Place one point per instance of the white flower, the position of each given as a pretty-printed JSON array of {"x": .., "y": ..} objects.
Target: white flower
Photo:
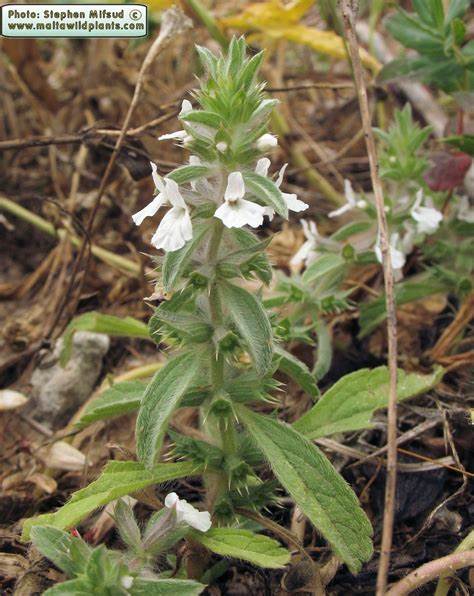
[
  {"x": 175, "y": 228},
  {"x": 221, "y": 146},
  {"x": 427, "y": 218},
  {"x": 291, "y": 200},
  {"x": 263, "y": 165},
  {"x": 180, "y": 135},
  {"x": 236, "y": 212},
  {"x": 397, "y": 257},
  {"x": 127, "y": 582},
  {"x": 351, "y": 201},
  {"x": 186, "y": 107},
  {"x": 465, "y": 211},
  {"x": 160, "y": 199},
  {"x": 267, "y": 142},
  {"x": 200, "y": 520},
  {"x": 307, "y": 252}
]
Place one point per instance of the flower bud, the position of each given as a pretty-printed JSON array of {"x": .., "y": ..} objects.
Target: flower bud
[{"x": 267, "y": 142}]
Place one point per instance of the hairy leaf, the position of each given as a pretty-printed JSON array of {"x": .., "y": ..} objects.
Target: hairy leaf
[
  {"x": 118, "y": 399},
  {"x": 55, "y": 545},
  {"x": 297, "y": 370},
  {"x": 252, "y": 323},
  {"x": 243, "y": 544},
  {"x": 187, "y": 173},
  {"x": 166, "y": 587},
  {"x": 267, "y": 191},
  {"x": 117, "y": 480},
  {"x": 101, "y": 323},
  {"x": 349, "y": 404},
  {"x": 318, "y": 490},
  {"x": 160, "y": 399}
]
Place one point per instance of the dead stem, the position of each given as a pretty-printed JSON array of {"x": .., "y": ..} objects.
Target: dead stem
[{"x": 389, "y": 506}]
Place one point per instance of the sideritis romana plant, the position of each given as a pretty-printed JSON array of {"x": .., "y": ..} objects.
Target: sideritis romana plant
[{"x": 223, "y": 349}]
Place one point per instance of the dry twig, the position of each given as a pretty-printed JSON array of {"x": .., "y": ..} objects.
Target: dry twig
[
  {"x": 430, "y": 571},
  {"x": 348, "y": 17},
  {"x": 173, "y": 23}
]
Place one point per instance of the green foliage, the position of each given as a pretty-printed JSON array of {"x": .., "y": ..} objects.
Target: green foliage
[
  {"x": 160, "y": 399},
  {"x": 252, "y": 323},
  {"x": 318, "y": 490},
  {"x": 349, "y": 404},
  {"x": 445, "y": 58},
  {"x": 100, "y": 323},
  {"x": 117, "y": 480},
  {"x": 118, "y": 399},
  {"x": 400, "y": 158},
  {"x": 242, "y": 544}
]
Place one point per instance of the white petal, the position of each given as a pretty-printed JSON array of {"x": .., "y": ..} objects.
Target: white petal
[
  {"x": 179, "y": 134},
  {"x": 301, "y": 256},
  {"x": 266, "y": 142},
  {"x": 157, "y": 179},
  {"x": 235, "y": 187},
  {"x": 173, "y": 195},
  {"x": 281, "y": 173},
  {"x": 149, "y": 210},
  {"x": 199, "y": 520},
  {"x": 263, "y": 166},
  {"x": 186, "y": 107},
  {"x": 194, "y": 160},
  {"x": 174, "y": 231},
  {"x": 349, "y": 193},
  {"x": 310, "y": 230},
  {"x": 398, "y": 258},
  {"x": 337, "y": 212},
  {"x": 237, "y": 214},
  {"x": 427, "y": 219},
  {"x": 221, "y": 146},
  {"x": 293, "y": 203},
  {"x": 171, "y": 499}
]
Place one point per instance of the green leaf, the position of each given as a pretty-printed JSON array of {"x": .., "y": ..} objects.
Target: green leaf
[
  {"x": 203, "y": 117},
  {"x": 297, "y": 370},
  {"x": 249, "y": 71},
  {"x": 188, "y": 173},
  {"x": 191, "y": 327},
  {"x": 100, "y": 323},
  {"x": 413, "y": 33},
  {"x": 462, "y": 142},
  {"x": 430, "y": 11},
  {"x": 176, "y": 261},
  {"x": 318, "y": 490},
  {"x": 357, "y": 227},
  {"x": 159, "y": 401},
  {"x": 243, "y": 544},
  {"x": 117, "y": 480},
  {"x": 166, "y": 587},
  {"x": 324, "y": 264},
  {"x": 456, "y": 9},
  {"x": 350, "y": 403},
  {"x": 267, "y": 191},
  {"x": 252, "y": 322},
  {"x": 55, "y": 545},
  {"x": 73, "y": 587},
  {"x": 118, "y": 399}
]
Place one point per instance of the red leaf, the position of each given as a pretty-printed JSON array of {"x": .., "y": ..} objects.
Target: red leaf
[{"x": 448, "y": 170}]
